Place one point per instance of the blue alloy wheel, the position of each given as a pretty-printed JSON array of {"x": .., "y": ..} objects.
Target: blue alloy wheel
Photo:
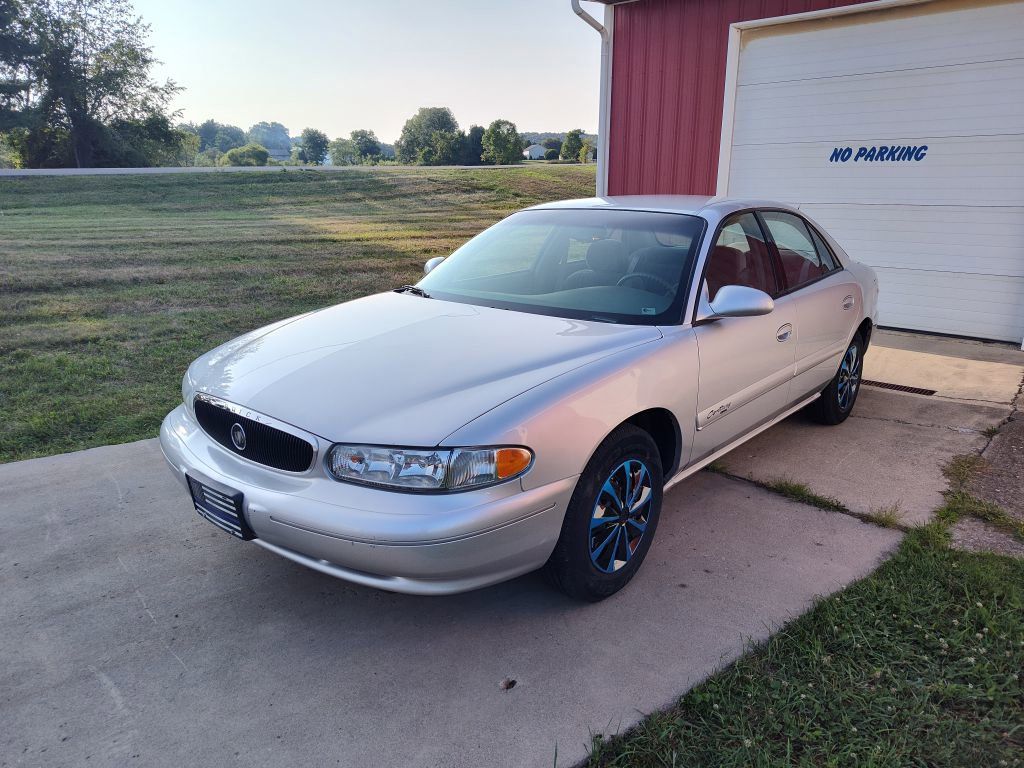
[
  {"x": 849, "y": 378},
  {"x": 620, "y": 516}
]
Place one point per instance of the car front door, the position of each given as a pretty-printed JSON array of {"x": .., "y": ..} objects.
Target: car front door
[
  {"x": 746, "y": 363},
  {"x": 827, "y": 299}
]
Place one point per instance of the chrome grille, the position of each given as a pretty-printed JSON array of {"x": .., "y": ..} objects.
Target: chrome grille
[{"x": 263, "y": 443}]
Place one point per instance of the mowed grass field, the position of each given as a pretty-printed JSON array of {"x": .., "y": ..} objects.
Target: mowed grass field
[{"x": 111, "y": 285}]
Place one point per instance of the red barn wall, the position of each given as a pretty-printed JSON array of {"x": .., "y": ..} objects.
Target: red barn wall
[{"x": 668, "y": 82}]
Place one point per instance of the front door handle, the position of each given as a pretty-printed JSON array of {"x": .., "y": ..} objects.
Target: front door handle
[
  {"x": 848, "y": 302},
  {"x": 784, "y": 332}
]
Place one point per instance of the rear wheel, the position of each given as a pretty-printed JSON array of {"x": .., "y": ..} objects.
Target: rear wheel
[
  {"x": 838, "y": 398},
  {"x": 611, "y": 518}
]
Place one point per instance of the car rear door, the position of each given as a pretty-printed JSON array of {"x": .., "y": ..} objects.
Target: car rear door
[
  {"x": 746, "y": 363},
  {"x": 827, "y": 299}
]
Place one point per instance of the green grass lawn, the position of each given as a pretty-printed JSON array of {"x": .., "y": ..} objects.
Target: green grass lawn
[
  {"x": 917, "y": 665},
  {"x": 111, "y": 285}
]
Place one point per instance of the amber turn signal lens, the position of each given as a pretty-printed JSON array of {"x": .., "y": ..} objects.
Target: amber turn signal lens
[{"x": 512, "y": 461}]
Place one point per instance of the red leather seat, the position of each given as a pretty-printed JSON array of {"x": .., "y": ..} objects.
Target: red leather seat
[{"x": 725, "y": 267}]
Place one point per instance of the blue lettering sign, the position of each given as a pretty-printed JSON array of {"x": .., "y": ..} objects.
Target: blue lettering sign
[{"x": 881, "y": 153}]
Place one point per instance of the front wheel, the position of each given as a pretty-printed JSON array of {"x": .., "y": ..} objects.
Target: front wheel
[
  {"x": 838, "y": 398},
  {"x": 611, "y": 518}
]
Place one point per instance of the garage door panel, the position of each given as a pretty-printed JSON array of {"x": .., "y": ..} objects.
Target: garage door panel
[
  {"x": 973, "y": 240},
  {"x": 984, "y": 170},
  {"x": 911, "y": 103},
  {"x": 944, "y": 230},
  {"x": 964, "y": 305},
  {"x": 905, "y": 38}
]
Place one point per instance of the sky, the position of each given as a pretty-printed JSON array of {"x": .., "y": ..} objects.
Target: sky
[{"x": 339, "y": 65}]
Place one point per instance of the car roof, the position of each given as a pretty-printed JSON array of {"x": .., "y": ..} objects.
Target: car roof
[{"x": 706, "y": 206}]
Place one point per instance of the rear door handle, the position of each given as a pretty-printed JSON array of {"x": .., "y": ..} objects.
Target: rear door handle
[
  {"x": 848, "y": 302},
  {"x": 784, "y": 332}
]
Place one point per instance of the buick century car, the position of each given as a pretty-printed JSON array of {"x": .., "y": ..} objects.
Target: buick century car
[{"x": 526, "y": 404}]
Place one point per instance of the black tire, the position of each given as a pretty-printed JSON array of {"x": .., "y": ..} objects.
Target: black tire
[
  {"x": 571, "y": 567},
  {"x": 838, "y": 398}
]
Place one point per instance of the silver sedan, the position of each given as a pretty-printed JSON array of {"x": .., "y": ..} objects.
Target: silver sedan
[{"x": 526, "y": 404}]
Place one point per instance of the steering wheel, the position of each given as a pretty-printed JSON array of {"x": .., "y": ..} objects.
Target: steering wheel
[{"x": 669, "y": 288}]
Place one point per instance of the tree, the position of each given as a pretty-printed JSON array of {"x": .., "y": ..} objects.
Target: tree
[
  {"x": 228, "y": 137},
  {"x": 313, "y": 147},
  {"x": 273, "y": 136},
  {"x": 443, "y": 148},
  {"x": 17, "y": 51},
  {"x": 250, "y": 154},
  {"x": 134, "y": 143},
  {"x": 552, "y": 143},
  {"x": 418, "y": 131},
  {"x": 343, "y": 152},
  {"x": 366, "y": 142},
  {"x": 572, "y": 145},
  {"x": 90, "y": 69},
  {"x": 502, "y": 145},
  {"x": 585, "y": 150},
  {"x": 551, "y": 154},
  {"x": 473, "y": 147},
  {"x": 207, "y": 132}
]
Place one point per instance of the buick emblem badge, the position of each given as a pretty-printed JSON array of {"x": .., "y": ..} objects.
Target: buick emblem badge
[{"x": 238, "y": 436}]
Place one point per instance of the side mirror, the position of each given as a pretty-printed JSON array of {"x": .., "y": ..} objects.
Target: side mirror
[
  {"x": 431, "y": 263},
  {"x": 735, "y": 301}
]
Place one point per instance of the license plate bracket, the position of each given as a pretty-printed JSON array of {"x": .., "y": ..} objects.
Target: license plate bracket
[{"x": 221, "y": 506}]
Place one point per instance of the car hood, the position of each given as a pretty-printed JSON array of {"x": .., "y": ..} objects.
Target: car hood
[{"x": 400, "y": 369}]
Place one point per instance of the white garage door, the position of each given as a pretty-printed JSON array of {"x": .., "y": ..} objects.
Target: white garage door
[{"x": 902, "y": 132}]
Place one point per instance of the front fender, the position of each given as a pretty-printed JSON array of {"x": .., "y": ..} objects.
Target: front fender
[{"x": 565, "y": 419}]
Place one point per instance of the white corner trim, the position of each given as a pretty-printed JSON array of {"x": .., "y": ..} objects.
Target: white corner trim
[
  {"x": 604, "y": 105},
  {"x": 732, "y": 66},
  {"x": 828, "y": 13},
  {"x": 605, "y": 108}
]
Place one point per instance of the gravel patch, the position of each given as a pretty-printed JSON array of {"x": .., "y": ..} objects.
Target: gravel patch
[
  {"x": 973, "y": 535},
  {"x": 1001, "y": 481}
]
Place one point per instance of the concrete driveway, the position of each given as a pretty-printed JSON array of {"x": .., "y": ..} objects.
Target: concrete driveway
[
  {"x": 889, "y": 455},
  {"x": 134, "y": 632}
]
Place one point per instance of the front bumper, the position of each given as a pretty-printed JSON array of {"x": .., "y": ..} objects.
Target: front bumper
[{"x": 402, "y": 542}]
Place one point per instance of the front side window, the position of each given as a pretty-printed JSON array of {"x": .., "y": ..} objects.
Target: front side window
[
  {"x": 800, "y": 260},
  {"x": 740, "y": 257},
  {"x": 606, "y": 265}
]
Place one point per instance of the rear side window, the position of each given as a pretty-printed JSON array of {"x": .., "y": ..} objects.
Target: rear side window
[
  {"x": 801, "y": 263},
  {"x": 740, "y": 257},
  {"x": 824, "y": 252}
]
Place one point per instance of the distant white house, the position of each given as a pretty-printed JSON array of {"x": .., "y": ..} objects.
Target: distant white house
[{"x": 534, "y": 152}]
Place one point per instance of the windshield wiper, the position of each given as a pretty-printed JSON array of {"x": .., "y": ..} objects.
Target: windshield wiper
[{"x": 415, "y": 290}]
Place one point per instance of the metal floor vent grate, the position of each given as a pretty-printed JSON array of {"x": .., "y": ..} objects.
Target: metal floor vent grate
[{"x": 897, "y": 387}]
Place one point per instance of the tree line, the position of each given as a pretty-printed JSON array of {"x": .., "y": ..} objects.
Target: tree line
[
  {"x": 75, "y": 88},
  {"x": 76, "y": 91}
]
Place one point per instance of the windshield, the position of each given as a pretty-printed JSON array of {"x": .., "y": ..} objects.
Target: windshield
[{"x": 608, "y": 265}]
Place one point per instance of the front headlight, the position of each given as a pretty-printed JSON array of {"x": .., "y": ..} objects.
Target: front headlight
[{"x": 426, "y": 469}]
